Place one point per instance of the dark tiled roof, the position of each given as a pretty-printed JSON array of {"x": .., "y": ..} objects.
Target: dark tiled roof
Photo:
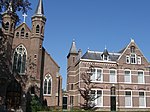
[{"x": 93, "y": 55}]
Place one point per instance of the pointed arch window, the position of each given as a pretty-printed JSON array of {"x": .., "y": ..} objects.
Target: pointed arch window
[
  {"x": 19, "y": 59},
  {"x": 48, "y": 85},
  {"x": 27, "y": 35},
  {"x": 7, "y": 26},
  {"x": 37, "y": 29},
  {"x": 22, "y": 32},
  {"x": 17, "y": 34},
  {"x": 42, "y": 29}
]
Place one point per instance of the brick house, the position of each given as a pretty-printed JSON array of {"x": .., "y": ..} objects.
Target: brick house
[
  {"x": 121, "y": 78},
  {"x": 33, "y": 70}
]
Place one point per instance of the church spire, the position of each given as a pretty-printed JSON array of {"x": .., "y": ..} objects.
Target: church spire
[
  {"x": 39, "y": 9},
  {"x": 73, "y": 48}
]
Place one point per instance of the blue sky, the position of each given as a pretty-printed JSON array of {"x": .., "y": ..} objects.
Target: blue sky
[{"x": 93, "y": 24}]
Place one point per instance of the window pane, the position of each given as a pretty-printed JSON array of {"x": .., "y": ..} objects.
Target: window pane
[
  {"x": 45, "y": 86},
  {"x": 93, "y": 75},
  {"x": 127, "y": 77},
  {"x": 49, "y": 87},
  {"x": 112, "y": 76},
  {"x": 99, "y": 75},
  {"x": 140, "y": 77},
  {"x": 127, "y": 98}
]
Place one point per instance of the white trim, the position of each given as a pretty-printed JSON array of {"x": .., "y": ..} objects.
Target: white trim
[
  {"x": 114, "y": 76},
  {"x": 129, "y": 74},
  {"x": 144, "y": 100},
  {"x": 130, "y": 98},
  {"x": 103, "y": 61},
  {"x": 96, "y": 75},
  {"x": 143, "y": 82},
  {"x": 127, "y": 58},
  {"x": 50, "y": 79}
]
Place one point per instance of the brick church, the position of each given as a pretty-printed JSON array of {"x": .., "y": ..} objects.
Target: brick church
[{"x": 32, "y": 70}]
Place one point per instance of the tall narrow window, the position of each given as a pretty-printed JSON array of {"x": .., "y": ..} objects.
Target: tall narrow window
[
  {"x": 47, "y": 85},
  {"x": 112, "y": 77},
  {"x": 142, "y": 102},
  {"x": 98, "y": 97},
  {"x": 42, "y": 30},
  {"x": 7, "y": 26},
  {"x": 22, "y": 32},
  {"x": 27, "y": 35},
  {"x": 127, "y": 76},
  {"x": 128, "y": 99},
  {"x": 133, "y": 58},
  {"x": 139, "y": 60},
  {"x": 19, "y": 59},
  {"x": 140, "y": 77},
  {"x": 37, "y": 29},
  {"x": 71, "y": 100},
  {"x": 17, "y": 34},
  {"x": 127, "y": 59},
  {"x": 132, "y": 49}
]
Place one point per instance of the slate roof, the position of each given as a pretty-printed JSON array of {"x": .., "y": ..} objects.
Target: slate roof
[
  {"x": 94, "y": 55},
  {"x": 73, "y": 48}
]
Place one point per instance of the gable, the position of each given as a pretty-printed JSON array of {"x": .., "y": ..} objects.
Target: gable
[
  {"x": 22, "y": 31},
  {"x": 129, "y": 52}
]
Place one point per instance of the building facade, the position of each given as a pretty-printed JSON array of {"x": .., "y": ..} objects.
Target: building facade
[
  {"x": 121, "y": 79},
  {"x": 32, "y": 70}
]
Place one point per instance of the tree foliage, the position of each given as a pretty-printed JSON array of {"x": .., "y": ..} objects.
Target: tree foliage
[
  {"x": 17, "y": 5},
  {"x": 87, "y": 90}
]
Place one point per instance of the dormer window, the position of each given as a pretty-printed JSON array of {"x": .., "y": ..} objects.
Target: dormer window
[{"x": 105, "y": 57}]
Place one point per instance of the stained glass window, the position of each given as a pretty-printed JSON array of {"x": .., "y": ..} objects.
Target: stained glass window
[{"x": 19, "y": 59}]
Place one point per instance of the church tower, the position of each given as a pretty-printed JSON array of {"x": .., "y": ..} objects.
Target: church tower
[
  {"x": 9, "y": 19},
  {"x": 73, "y": 54},
  {"x": 37, "y": 37}
]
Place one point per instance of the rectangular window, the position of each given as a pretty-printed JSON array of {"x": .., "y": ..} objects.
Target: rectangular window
[
  {"x": 142, "y": 102},
  {"x": 128, "y": 99},
  {"x": 97, "y": 75},
  {"x": 127, "y": 59},
  {"x": 112, "y": 77},
  {"x": 97, "y": 94},
  {"x": 133, "y": 58},
  {"x": 71, "y": 100},
  {"x": 127, "y": 76},
  {"x": 139, "y": 60},
  {"x": 140, "y": 77}
]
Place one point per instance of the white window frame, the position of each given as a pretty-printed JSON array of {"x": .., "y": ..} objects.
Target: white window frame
[
  {"x": 134, "y": 58},
  {"x": 128, "y": 58},
  {"x": 96, "y": 100},
  {"x": 115, "y": 76},
  {"x": 139, "y": 60},
  {"x": 125, "y": 99},
  {"x": 129, "y": 76},
  {"x": 143, "y": 77},
  {"x": 95, "y": 77},
  {"x": 144, "y": 100},
  {"x": 49, "y": 79}
]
